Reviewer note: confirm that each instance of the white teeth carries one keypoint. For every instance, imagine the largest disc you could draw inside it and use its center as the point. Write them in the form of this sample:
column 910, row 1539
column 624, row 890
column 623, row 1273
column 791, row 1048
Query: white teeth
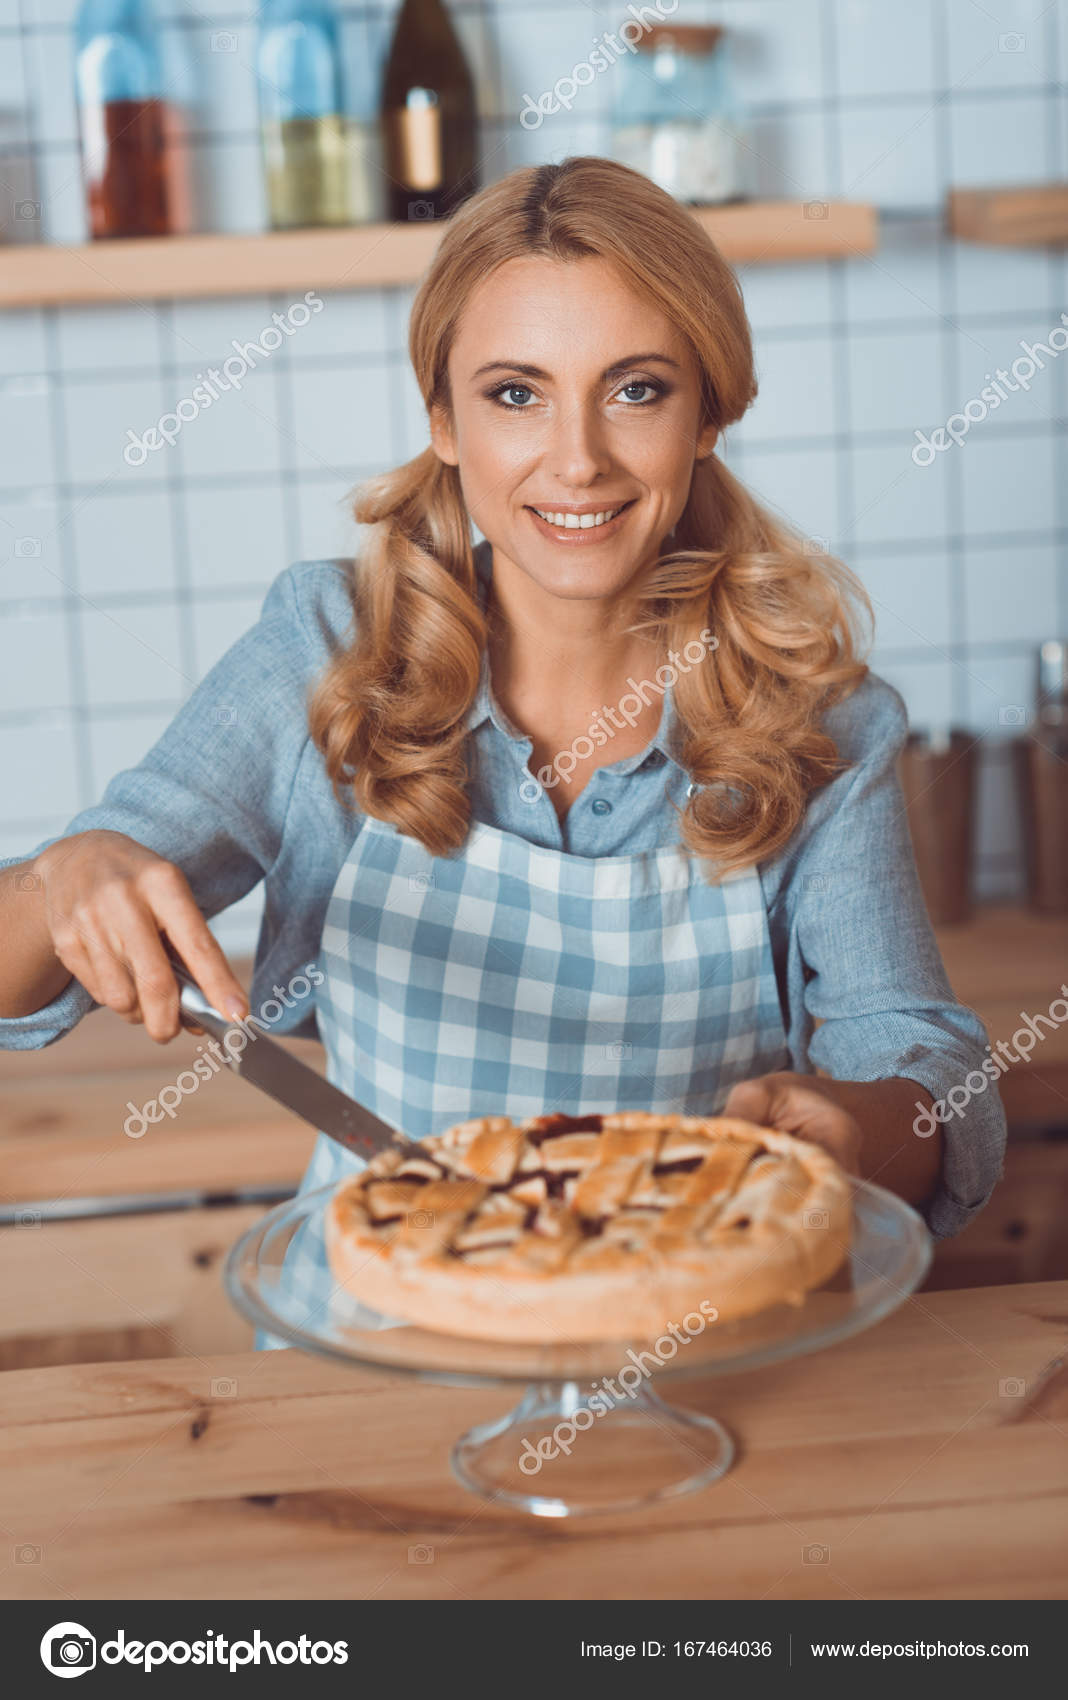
column 576, row 522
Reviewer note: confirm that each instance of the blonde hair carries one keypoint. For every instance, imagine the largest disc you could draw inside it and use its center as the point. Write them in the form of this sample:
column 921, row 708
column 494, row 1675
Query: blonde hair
column 389, row 712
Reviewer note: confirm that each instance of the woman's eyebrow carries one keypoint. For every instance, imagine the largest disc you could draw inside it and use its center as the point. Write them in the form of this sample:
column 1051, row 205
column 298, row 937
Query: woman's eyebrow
column 612, row 371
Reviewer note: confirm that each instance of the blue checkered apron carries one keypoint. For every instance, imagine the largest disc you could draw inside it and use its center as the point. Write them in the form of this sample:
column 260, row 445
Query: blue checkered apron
column 511, row 979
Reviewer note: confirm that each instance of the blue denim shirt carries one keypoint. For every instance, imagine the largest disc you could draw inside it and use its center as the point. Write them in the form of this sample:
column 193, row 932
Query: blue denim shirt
column 234, row 792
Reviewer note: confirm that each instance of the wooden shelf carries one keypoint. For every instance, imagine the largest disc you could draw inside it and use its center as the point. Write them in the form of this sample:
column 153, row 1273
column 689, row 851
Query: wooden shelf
column 1025, row 217
column 368, row 256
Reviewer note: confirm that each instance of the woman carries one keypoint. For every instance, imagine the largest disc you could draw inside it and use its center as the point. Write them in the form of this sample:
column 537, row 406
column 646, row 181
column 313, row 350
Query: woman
column 599, row 814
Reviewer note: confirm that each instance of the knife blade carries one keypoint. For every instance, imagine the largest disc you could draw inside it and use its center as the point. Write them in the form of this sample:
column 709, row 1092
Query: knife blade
column 272, row 1069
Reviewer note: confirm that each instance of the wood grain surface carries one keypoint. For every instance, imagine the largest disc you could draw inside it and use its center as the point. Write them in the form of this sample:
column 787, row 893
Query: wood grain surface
column 924, row 1459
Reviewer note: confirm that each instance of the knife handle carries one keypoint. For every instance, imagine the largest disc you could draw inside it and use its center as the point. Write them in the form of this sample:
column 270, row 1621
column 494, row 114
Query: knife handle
column 193, row 1006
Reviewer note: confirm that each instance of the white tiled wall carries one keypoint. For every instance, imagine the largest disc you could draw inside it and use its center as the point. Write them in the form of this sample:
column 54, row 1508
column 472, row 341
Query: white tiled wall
column 120, row 585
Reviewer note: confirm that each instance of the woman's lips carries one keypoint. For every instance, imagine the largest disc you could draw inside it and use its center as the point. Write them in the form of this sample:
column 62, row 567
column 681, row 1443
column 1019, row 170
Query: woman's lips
column 582, row 534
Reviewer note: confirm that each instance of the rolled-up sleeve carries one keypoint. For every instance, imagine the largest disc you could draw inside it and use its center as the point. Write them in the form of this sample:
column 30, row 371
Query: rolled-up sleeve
column 869, row 962
column 211, row 795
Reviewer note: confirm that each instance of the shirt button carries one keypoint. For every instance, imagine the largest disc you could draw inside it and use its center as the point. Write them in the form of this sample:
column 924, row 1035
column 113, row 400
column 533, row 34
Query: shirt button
column 601, row 806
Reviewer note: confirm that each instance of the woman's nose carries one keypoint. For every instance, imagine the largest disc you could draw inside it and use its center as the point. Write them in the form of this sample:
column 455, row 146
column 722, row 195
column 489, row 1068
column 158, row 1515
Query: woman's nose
column 577, row 451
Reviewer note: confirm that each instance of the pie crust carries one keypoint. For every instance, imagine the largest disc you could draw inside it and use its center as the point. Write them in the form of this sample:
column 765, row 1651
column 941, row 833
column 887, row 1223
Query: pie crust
column 580, row 1228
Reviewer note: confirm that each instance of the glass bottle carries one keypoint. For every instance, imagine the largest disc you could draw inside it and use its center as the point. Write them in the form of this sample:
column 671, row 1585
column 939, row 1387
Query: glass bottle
column 676, row 119
column 302, row 121
column 429, row 116
column 134, row 162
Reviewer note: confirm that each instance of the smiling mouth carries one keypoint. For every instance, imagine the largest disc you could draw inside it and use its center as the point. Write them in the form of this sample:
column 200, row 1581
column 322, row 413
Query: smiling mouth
column 578, row 522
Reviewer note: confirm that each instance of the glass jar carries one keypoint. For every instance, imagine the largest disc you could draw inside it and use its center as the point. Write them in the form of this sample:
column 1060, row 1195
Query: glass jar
column 675, row 117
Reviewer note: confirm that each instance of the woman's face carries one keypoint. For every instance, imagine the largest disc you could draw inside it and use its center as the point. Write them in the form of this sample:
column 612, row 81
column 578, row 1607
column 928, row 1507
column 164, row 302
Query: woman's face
column 571, row 396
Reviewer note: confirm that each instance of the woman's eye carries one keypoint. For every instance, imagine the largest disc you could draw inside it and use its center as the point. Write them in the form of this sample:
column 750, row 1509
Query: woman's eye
column 518, row 397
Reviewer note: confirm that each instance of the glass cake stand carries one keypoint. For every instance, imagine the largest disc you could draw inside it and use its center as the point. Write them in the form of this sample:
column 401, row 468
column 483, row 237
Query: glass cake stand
column 589, row 1435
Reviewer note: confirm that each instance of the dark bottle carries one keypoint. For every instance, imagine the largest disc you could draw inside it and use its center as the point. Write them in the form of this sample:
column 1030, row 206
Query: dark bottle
column 1041, row 759
column 134, row 160
column 429, row 117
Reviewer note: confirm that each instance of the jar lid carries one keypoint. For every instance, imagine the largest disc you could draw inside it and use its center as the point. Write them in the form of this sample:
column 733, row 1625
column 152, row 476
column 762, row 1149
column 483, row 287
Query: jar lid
column 688, row 38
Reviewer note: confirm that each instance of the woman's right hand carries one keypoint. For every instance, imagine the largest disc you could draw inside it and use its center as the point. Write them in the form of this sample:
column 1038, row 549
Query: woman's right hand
column 106, row 900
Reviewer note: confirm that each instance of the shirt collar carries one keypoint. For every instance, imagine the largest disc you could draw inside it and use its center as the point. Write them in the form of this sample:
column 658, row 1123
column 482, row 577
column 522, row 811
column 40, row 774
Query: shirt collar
column 485, row 707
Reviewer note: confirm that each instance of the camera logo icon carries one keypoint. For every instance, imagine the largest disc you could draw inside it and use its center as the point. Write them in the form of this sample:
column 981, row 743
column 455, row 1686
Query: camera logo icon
column 68, row 1649
column 1012, row 714
column 27, row 548
column 420, row 209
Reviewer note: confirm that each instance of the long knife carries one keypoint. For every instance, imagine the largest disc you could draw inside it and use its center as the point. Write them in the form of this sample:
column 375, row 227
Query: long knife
column 268, row 1066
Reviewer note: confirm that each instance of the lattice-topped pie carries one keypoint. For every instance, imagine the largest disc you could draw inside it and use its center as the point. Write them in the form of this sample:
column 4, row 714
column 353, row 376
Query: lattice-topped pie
column 590, row 1227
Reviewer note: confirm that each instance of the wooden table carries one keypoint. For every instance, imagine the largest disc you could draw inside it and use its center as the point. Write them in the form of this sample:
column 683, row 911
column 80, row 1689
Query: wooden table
column 927, row 1459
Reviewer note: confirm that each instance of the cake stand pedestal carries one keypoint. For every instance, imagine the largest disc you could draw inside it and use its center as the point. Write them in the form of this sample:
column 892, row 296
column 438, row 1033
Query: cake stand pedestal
column 556, row 1456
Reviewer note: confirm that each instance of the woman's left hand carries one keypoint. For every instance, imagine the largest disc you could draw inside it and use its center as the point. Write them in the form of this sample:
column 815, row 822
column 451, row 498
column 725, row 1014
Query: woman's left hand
column 795, row 1103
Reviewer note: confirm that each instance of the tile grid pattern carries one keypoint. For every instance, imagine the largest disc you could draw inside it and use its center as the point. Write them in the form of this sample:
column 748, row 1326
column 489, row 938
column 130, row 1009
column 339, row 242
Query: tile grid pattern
column 120, row 585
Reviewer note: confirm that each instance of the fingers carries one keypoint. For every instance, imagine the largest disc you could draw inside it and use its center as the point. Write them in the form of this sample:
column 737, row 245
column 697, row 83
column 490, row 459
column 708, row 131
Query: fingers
column 92, row 957
column 797, row 1106
column 750, row 1101
column 69, row 942
column 129, row 971
column 157, row 989
column 110, row 981
column 107, row 900
column 174, row 910
column 119, row 957
column 191, row 936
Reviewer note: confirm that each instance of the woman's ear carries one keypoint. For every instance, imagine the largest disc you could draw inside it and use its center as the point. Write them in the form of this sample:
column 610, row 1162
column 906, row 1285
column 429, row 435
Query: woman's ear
column 442, row 436
column 706, row 441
